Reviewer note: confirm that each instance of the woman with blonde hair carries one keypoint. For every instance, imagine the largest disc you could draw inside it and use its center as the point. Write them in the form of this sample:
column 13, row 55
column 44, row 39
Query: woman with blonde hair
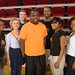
column 14, row 57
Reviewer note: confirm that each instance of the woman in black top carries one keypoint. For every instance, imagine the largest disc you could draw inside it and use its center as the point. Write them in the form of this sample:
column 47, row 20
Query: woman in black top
column 57, row 59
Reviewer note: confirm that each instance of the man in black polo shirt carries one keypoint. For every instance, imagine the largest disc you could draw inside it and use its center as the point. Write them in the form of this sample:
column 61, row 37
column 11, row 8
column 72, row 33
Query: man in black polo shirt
column 2, row 47
column 47, row 22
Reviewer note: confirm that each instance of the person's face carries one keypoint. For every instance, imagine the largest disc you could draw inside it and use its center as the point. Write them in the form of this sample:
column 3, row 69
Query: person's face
column 1, row 25
column 15, row 24
column 73, row 25
column 55, row 25
column 47, row 12
column 34, row 17
column 22, row 16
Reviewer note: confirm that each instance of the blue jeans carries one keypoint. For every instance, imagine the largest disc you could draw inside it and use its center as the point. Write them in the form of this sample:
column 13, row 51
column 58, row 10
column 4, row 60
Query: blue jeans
column 15, row 61
column 2, row 60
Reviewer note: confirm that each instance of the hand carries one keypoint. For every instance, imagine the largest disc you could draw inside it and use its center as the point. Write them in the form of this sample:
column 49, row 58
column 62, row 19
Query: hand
column 8, row 62
column 73, row 66
column 56, row 65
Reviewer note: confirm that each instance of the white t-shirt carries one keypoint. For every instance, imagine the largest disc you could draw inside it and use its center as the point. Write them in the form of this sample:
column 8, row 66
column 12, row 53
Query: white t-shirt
column 71, row 46
column 11, row 41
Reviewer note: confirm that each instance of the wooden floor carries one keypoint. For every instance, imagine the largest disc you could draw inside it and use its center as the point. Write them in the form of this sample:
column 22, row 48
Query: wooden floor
column 7, row 71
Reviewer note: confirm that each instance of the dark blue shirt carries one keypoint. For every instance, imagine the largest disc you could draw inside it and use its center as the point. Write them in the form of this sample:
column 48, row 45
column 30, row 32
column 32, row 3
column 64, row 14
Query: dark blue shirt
column 21, row 24
column 50, row 33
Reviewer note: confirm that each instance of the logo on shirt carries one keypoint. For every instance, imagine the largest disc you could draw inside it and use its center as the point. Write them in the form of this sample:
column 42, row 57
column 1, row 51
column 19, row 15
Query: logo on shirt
column 51, row 39
column 2, row 42
column 47, row 29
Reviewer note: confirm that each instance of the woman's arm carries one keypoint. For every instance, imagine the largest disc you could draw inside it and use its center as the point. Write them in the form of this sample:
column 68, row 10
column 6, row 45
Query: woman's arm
column 8, row 43
column 8, row 58
column 62, row 45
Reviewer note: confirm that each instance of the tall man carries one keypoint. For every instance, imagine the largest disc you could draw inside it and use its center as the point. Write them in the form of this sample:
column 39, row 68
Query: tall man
column 47, row 22
column 33, row 35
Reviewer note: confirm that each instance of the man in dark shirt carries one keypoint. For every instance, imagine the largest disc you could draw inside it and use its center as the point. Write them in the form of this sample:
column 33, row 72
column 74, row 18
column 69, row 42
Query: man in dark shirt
column 2, row 47
column 47, row 22
column 22, row 16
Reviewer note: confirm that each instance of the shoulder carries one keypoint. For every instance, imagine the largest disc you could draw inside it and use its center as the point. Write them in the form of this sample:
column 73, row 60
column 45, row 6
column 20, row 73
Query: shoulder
column 41, row 24
column 42, row 20
column 62, row 33
column 2, row 33
column 8, row 35
column 26, row 25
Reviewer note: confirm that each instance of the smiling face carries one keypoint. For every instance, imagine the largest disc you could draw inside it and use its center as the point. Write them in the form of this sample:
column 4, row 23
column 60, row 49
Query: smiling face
column 1, row 25
column 47, row 12
column 34, row 17
column 15, row 24
column 73, row 25
column 22, row 16
column 55, row 25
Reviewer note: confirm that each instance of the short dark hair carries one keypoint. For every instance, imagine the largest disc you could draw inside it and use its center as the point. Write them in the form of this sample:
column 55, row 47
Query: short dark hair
column 22, row 11
column 34, row 10
column 73, row 18
column 56, row 19
column 48, row 7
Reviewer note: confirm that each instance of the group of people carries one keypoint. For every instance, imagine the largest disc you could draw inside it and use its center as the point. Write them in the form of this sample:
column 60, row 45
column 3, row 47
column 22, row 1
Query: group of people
column 27, row 41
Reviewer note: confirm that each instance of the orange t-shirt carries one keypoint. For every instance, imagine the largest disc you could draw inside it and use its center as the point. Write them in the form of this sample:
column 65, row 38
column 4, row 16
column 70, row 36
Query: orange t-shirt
column 34, row 38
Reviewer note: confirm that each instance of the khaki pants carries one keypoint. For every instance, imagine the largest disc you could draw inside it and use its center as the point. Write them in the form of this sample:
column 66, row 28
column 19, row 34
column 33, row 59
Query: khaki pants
column 47, row 54
column 53, row 60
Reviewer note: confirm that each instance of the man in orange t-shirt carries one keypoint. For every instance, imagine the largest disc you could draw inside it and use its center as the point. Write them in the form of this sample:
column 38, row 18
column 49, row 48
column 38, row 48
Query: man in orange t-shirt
column 33, row 35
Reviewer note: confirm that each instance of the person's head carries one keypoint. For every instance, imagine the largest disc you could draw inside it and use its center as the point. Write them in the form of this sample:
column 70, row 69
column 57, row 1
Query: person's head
column 1, row 24
column 72, row 24
column 56, row 23
column 47, row 12
column 34, row 16
column 15, row 23
column 22, row 15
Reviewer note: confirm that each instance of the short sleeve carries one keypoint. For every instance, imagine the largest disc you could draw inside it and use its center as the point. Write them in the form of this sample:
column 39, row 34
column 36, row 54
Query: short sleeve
column 45, row 31
column 62, row 33
column 8, row 42
column 23, row 33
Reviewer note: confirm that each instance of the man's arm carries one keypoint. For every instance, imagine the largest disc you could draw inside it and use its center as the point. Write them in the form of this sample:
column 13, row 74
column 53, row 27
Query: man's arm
column 22, row 44
column 44, row 41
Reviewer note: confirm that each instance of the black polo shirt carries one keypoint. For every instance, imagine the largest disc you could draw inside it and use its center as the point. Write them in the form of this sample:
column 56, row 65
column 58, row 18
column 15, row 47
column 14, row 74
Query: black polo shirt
column 50, row 33
column 21, row 24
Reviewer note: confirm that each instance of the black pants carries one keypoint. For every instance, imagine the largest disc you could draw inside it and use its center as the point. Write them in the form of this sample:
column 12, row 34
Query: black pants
column 70, row 61
column 35, row 65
